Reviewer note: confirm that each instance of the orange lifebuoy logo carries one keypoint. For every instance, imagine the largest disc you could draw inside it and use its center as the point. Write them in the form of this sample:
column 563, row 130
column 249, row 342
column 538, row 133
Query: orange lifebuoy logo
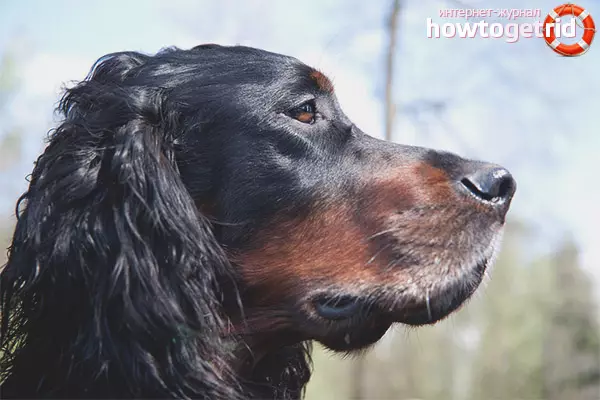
column 583, row 16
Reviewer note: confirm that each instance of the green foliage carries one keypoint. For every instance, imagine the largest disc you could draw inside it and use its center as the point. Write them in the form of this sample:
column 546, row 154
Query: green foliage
column 10, row 140
column 572, row 340
column 10, row 136
column 8, row 79
column 512, row 319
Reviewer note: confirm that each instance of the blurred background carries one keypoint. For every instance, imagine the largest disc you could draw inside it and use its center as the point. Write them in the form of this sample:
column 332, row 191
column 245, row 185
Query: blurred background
column 533, row 331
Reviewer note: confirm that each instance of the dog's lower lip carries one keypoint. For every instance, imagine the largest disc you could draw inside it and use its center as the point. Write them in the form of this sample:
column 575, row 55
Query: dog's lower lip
column 421, row 314
column 337, row 308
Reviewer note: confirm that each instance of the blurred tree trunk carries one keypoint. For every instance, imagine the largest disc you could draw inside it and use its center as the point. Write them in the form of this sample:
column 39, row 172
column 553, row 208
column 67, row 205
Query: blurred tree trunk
column 358, row 366
column 390, row 107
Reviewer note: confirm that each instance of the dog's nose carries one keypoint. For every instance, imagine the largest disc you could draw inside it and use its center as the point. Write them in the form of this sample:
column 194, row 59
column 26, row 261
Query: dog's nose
column 491, row 184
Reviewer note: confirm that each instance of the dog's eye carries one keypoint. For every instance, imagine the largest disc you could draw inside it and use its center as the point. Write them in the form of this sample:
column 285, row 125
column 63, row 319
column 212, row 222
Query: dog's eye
column 305, row 113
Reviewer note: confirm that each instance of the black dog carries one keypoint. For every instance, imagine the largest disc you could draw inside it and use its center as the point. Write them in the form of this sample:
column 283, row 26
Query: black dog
column 200, row 216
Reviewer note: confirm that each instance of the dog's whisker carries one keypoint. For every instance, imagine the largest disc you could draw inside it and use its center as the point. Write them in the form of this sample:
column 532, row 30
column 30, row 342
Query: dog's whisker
column 378, row 253
column 428, row 306
column 391, row 230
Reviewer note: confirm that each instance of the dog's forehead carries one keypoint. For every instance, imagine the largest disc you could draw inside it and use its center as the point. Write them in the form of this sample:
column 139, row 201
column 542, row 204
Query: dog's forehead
column 281, row 66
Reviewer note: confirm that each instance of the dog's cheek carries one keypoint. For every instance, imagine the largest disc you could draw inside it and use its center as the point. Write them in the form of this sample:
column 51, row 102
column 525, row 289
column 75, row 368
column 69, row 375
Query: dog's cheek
column 293, row 257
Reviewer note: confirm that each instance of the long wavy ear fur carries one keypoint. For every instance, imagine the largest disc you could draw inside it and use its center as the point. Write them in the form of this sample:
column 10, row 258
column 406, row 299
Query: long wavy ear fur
column 110, row 289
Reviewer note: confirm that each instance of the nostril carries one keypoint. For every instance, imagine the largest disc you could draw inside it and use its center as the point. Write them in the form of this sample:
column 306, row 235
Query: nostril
column 475, row 190
column 490, row 184
column 506, row 187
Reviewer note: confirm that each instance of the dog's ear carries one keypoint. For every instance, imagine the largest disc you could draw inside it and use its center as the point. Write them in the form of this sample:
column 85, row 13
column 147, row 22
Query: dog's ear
column 112, row 277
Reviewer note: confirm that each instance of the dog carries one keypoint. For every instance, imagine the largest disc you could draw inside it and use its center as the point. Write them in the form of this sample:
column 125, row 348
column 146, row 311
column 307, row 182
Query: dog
column 200, row 217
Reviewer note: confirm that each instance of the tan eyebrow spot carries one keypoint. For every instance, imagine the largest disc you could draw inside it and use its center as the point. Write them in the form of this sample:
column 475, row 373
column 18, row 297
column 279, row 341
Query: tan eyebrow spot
column 322, row 81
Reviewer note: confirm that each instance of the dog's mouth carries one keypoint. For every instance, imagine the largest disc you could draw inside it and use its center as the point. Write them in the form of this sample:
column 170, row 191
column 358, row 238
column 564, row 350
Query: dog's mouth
column 351, row 322
column 339, row 308
column 409, row 306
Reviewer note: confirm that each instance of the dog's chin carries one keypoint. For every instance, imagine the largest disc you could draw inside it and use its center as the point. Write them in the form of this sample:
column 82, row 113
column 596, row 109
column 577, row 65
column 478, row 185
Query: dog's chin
column 354, row 322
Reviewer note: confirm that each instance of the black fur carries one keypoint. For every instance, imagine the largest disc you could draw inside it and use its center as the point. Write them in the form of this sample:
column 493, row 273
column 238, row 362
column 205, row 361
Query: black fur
column 113, row 286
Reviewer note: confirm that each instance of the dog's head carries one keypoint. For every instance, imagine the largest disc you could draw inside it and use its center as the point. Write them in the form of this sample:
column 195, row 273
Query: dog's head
column 335, row 234
column 196, row 181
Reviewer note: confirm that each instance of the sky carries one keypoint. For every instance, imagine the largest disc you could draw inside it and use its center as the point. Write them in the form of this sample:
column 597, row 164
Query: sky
column 520, row 104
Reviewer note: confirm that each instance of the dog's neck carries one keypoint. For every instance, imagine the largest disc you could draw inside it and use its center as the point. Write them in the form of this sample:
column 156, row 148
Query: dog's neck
column 269, row 360
column 270, row 365
column 270, row 370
